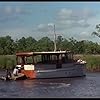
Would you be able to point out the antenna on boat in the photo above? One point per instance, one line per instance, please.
(53, 25)
(54, 39)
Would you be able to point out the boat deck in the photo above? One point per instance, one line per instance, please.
(20, 76)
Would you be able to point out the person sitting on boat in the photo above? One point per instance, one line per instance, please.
(81, 61)
(15, 72)
(8, 75)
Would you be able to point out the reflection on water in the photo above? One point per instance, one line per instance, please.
(27, 84)
(88, 86)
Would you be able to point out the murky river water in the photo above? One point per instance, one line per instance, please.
(80, 87)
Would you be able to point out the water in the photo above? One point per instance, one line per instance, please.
(80, 87)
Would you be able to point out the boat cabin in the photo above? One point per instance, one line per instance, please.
(33, 61)
(38, 58)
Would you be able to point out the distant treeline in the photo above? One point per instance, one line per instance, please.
(9, 47)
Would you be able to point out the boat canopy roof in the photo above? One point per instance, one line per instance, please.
(24, 54)
(41, 53)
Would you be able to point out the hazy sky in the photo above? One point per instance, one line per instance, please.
(72, 19)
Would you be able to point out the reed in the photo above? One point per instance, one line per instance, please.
(93, 61)
(7, 61)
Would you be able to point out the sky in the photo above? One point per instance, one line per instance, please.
(37, 19)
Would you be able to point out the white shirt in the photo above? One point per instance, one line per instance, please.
(15, 72)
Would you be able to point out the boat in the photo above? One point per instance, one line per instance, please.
(20, 76)
(51, 64)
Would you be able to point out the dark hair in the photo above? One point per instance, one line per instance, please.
(16, 67)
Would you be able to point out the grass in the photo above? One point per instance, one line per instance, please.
(7, 61)
(93, 61)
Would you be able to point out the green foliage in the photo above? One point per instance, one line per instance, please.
(6, 45)
(97, 32)
(7, 61)
(44, 44)
(9, 46)
(93, 61)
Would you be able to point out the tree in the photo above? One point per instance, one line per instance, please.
(59, 42)
(44, 44)
(26, 44)
(21, 44)
(6, 45)
(97, 32)
(72, 45)
(80, 47)
(30, 44)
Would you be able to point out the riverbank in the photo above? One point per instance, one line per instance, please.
(93, 62)
(97, 69)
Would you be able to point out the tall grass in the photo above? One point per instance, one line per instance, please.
(7, 61)
(93, 61)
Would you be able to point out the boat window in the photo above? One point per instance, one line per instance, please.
(24, 60)
(45, 59)
(19, 60)
(52, 58)
(37, 59)
(29, 60)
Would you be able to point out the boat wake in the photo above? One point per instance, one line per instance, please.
(57, 85)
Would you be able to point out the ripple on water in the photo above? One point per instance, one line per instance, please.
(64, 87)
